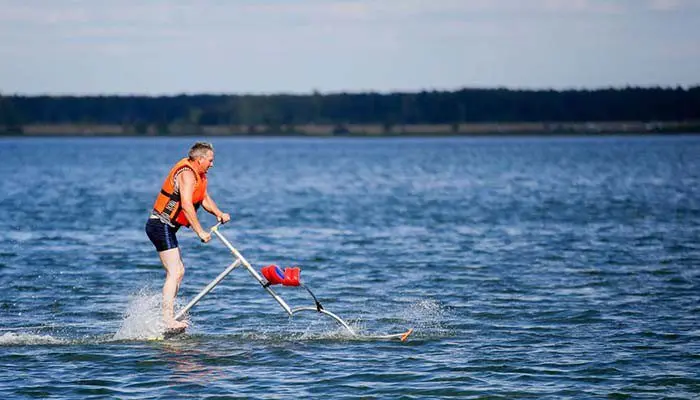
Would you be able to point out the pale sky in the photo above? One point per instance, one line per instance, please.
(296, 46)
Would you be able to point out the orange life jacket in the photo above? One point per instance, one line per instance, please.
(168, 205)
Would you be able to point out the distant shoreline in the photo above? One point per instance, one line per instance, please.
(361, 130)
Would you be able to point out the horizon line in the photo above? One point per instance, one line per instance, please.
(356, 92)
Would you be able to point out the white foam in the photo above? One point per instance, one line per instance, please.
(143, 318)
(333, 332)
(426, 316)
(27, 339)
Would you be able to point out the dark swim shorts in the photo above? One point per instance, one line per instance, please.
(161, 234)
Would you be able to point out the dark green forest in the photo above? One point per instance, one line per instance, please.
(285, 111)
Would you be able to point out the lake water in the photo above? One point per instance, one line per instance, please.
(529, 268)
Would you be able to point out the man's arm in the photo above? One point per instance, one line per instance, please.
(210, 206)
(186, 181)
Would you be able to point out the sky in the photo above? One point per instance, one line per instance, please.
(161, 47)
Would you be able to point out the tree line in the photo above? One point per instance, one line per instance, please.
(425, 107)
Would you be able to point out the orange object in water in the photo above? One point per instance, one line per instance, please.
(291, 276)
(273, 274)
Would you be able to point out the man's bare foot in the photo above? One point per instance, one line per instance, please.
(176, 325)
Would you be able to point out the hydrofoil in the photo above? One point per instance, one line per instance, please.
(273, 275)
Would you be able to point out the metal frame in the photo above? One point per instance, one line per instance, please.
(240, 260)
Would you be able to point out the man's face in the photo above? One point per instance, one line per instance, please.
(207, 161)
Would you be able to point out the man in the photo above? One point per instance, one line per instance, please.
(184, 190)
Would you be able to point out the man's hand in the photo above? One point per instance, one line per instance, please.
(204, 236)
(223, 218)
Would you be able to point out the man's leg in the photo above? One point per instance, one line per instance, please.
(174, 271)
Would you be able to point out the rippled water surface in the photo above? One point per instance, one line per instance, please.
(529, 268)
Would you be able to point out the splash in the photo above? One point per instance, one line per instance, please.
(427, 317)
(10, 339)
(303, 328)
(143, 319)
(332, 330)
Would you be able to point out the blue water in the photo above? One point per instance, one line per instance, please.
(529, 268)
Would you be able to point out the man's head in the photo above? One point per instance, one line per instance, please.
(202, 154)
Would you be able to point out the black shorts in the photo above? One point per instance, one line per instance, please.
(161, 234)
